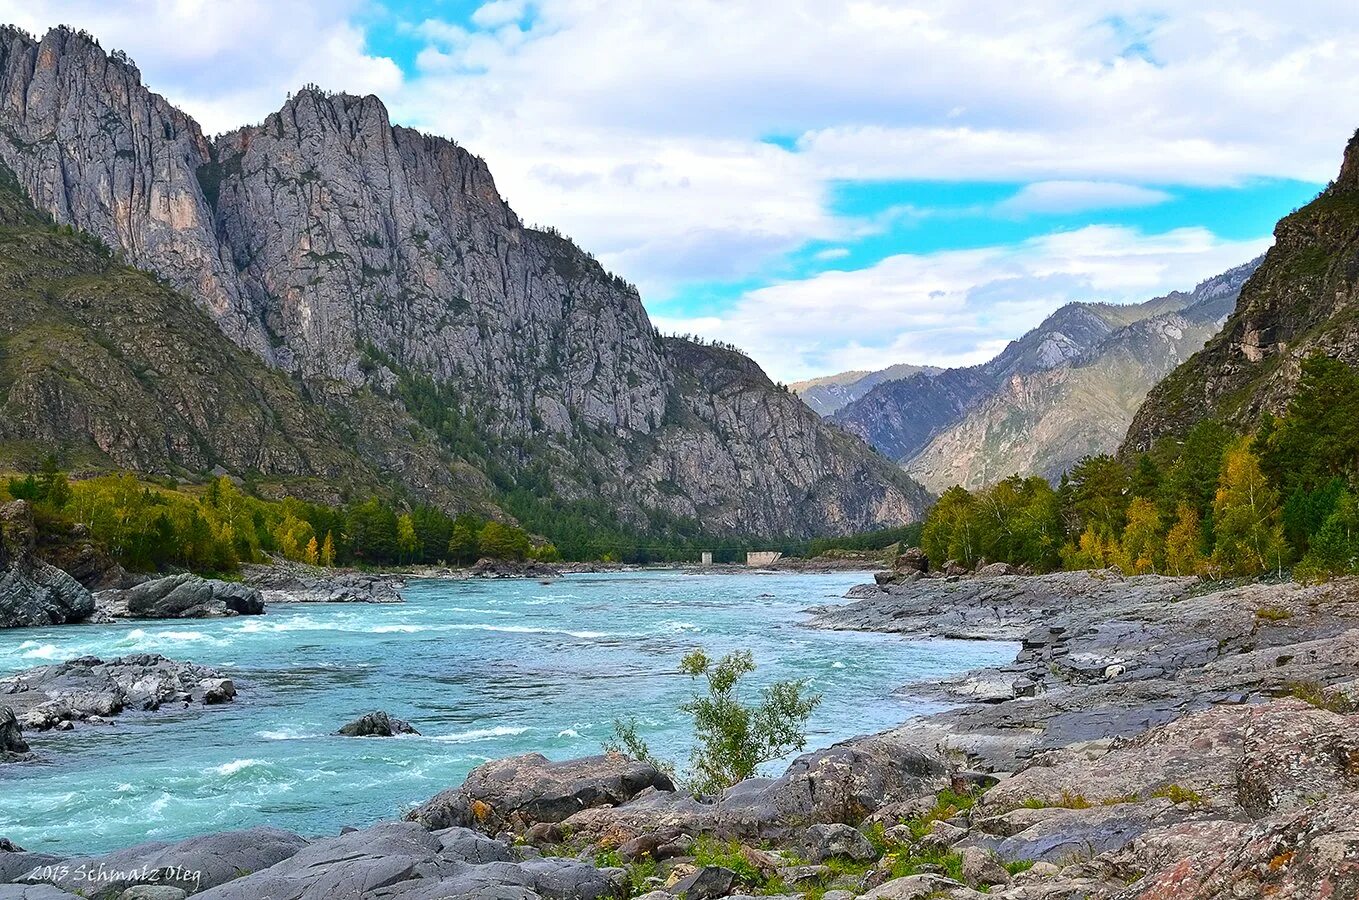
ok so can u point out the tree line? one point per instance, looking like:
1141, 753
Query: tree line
1215, 503
148, 527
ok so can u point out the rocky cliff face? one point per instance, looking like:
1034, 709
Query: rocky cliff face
1042, 422
353, 254
1301, 301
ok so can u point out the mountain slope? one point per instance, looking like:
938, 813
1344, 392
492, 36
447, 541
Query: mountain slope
901, 417
1303, 300
102, 362
364, 258
1043, 422
830, 393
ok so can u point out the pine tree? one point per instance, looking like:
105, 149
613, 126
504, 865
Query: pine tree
311, 556
328, 551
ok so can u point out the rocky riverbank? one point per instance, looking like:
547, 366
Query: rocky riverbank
1155, 738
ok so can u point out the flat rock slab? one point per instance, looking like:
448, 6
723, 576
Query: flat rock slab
192, 865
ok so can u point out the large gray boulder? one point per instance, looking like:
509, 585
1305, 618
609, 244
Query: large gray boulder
31, 591
184, 596
192, 865
522, 791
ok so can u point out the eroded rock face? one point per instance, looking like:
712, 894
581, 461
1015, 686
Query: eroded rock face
31, 591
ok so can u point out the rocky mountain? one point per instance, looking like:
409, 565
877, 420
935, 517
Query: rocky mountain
112, 369
830, 393
1042, 422
377, 266
1301, 302
901, 417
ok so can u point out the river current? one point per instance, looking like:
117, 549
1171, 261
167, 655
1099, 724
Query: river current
483, 668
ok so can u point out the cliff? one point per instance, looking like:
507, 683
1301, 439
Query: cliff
1301, 302
357, 256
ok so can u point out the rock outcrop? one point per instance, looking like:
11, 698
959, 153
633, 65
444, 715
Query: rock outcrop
1299, 303
293, 583
381, 268
33, 592
93, 690
183, 596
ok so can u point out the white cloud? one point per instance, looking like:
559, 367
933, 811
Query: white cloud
1078, 196
641, 128
957, 307
831, 253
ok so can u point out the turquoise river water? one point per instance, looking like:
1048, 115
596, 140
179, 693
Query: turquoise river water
483, 669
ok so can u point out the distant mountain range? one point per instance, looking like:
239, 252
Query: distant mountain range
831, 393
400, 326
1066, 389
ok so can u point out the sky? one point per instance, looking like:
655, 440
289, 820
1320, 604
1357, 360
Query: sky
829, 186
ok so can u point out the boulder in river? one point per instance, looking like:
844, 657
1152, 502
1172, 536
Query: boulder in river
13, 747
183, 596
377, 724
33, 592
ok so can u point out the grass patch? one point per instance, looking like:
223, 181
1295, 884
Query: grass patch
1015, 866
709, 851
1177, 794
1313, 693
1273, 614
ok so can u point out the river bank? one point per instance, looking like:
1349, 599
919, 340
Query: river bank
1154, 738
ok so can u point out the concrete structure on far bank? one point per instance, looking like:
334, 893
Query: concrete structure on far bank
707, 558
760, 558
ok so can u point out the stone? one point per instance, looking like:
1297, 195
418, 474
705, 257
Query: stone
835, 840
184, 596
12, 743
522, 791
921, 887
981, 868
377, 724
708, 883
153, 892
941, 836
